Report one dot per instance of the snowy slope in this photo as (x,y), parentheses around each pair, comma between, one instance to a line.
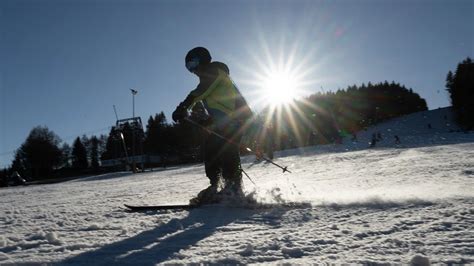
(417,129)
(384,205)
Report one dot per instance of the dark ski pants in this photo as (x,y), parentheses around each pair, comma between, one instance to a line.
(221,158)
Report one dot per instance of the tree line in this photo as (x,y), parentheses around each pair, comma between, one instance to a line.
(323,118)
(460,86)
(320,118)
(43,155)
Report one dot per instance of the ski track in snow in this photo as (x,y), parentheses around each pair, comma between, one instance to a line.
(384,205)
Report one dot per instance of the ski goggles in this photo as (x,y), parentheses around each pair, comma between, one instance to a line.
(192,65)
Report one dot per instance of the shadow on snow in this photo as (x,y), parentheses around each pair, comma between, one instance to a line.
(165,241)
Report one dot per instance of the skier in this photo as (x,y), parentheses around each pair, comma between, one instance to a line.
(379,136)
(228,115)
(397,139)
(269,141)
(374,140)
(354,136)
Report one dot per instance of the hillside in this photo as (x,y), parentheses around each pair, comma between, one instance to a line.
(394,203)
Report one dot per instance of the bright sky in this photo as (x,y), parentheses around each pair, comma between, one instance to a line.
(64,64)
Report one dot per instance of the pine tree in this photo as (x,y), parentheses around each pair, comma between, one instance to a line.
(66,155)
(460,86)
(157,135)
(39,155)
(94,152)
(79,155)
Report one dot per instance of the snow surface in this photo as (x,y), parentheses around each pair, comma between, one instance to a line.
(410,203)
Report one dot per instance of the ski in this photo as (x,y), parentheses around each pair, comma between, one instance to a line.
(137,208)
(160,207)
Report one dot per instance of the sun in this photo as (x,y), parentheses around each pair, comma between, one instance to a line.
(281,73)
(280,87)
(280,82)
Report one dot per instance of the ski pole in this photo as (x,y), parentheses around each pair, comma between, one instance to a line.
(285,168)
(245,173)
(210,131)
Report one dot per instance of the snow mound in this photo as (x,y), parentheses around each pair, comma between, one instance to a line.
(53,239)
(420,260)
(377,202)
(247,251)
(293,252)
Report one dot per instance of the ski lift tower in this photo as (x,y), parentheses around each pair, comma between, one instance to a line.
(134,167)
(134,126)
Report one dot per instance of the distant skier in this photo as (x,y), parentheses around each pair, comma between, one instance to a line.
(265,143)
(258,152)
(354,136)
(379,136)
(397,139)
(269,141)
(228,115)
(374,140)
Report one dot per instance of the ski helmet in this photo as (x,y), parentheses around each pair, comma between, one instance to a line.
(197,56)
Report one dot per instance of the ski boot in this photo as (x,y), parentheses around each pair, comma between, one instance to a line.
(206,196)
(232,191)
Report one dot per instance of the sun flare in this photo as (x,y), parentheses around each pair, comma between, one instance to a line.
(280,87)
(282,73)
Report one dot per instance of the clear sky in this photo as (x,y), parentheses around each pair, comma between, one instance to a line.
(65,63)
